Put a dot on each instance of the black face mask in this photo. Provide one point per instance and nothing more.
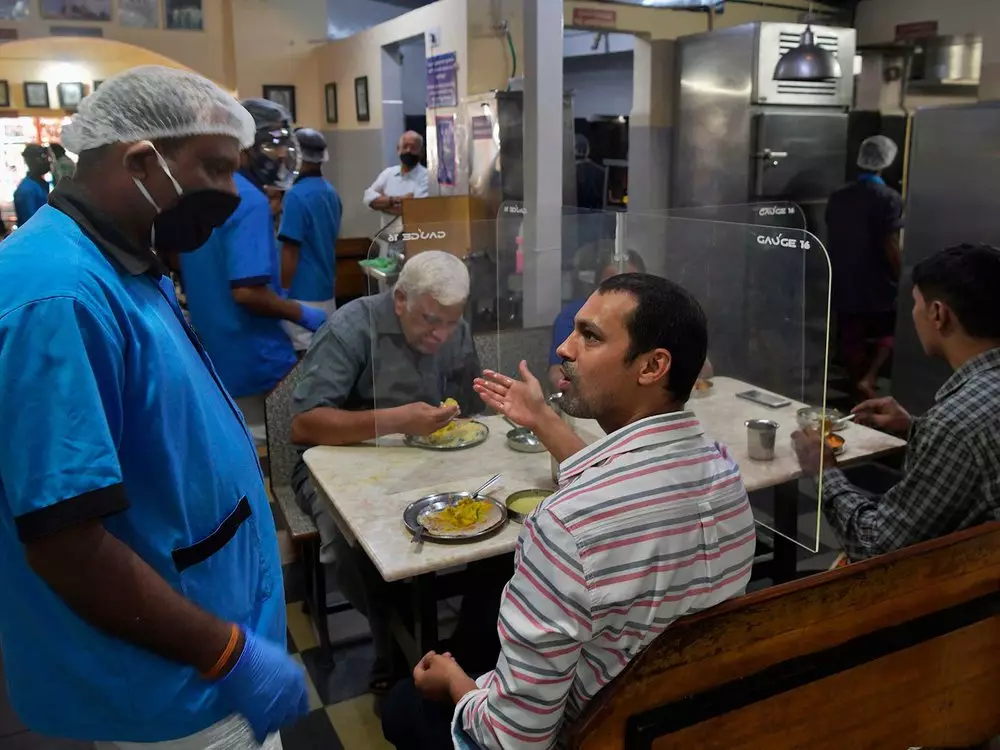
(187, 225)
(409, 160)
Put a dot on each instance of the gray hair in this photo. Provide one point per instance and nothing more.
(437, 273)
(420, 138)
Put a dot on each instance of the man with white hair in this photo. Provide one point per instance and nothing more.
(136, 540)
(383, 365)
(408, 179)
(863, 221)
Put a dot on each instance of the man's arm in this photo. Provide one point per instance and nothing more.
(941, 476)
(423, 185)
(893, 253)
(291, 234)
(376, 199)
(262, 300)
(545, 618)
(289, 262)
(109, 586)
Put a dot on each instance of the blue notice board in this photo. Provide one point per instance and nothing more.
(442, 81)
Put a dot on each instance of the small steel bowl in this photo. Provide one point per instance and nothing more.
(521, 517)
(523, 440)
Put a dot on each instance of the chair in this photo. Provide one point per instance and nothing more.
(282, 457)
(899, 651)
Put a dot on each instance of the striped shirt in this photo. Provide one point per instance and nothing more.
(649, 524)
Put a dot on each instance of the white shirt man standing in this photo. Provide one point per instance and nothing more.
(408, 179)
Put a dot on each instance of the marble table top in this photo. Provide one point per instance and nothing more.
(368, 487)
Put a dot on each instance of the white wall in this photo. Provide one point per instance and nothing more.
(601, 84)
(578, 42)
(876, 22)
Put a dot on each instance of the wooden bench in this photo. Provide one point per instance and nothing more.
(896, 652)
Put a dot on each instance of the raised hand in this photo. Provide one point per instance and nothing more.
(519, 400)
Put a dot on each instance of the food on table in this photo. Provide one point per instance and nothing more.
(814, 418)
(835, 441)
(447, 433)
(526, 502)
(464, 515)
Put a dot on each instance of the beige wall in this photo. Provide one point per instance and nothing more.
(343, 60)
(199, 50)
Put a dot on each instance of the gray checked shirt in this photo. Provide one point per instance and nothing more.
(952, 474)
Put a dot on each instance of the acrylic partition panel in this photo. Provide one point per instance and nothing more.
(429, 336)
(765, 291)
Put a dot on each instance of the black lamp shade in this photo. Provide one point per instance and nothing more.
(807, 62)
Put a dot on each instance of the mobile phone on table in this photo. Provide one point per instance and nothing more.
(764, 399)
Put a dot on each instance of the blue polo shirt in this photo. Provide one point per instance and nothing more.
(310, 218)
(30, 195)
(111, 410)
(251, 353)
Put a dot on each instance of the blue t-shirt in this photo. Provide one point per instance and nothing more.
(31, 195)
(563, 327)
(111, 410)
(250, 352)
(310, 218)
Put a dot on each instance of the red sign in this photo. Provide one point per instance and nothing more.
(917, 30)
(592, 18)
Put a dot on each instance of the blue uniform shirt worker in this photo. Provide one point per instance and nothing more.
(310, 223)
(951, 480)
(232, 282)
(33, 191)
(137, 548)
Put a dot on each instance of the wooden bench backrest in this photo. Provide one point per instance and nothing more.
(896, 652)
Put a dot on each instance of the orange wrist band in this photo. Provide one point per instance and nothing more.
(234, 638)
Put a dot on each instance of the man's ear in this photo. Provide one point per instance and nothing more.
(655, 367)
(140, 160)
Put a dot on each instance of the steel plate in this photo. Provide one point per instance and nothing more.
(421, 441)
(414, 511)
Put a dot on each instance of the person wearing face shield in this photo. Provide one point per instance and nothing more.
(233, 281)
(136, 538)
(310, 223)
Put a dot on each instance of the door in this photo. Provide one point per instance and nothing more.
(799, 154)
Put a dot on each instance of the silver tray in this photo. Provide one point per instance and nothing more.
(441, 500)
(420, 441)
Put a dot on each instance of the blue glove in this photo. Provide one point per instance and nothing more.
(267, 687)
(312, 318)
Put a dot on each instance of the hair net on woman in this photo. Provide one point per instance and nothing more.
(876, 153)
(153, 102)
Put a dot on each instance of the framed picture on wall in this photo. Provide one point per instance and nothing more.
(4, 94)
(361, 98)
(70, 95)
(283, 95)
(14, 10)
(331, 103)
(139, 14)
(36, 94)
(77, 10)
(184, 14)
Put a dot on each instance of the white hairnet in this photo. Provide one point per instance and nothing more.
(876, 153)
(152, 102)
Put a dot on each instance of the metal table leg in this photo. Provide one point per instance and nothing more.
(317, 607)
(786, 522)
(425, 623)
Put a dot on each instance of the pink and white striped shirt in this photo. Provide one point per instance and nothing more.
(649, 524)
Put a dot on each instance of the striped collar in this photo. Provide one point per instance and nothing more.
(645, 433)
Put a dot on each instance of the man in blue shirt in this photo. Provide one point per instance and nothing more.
(33, 192)
(231, 283)
(310, 223)
(137, 551)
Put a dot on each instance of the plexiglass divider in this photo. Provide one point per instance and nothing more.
(429, 339)
(765, 289)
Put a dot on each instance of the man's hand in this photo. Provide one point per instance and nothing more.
(813, 452)
(267, 687)
(885, 414)
(519, 400)
(439, 678)
(422, 419)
